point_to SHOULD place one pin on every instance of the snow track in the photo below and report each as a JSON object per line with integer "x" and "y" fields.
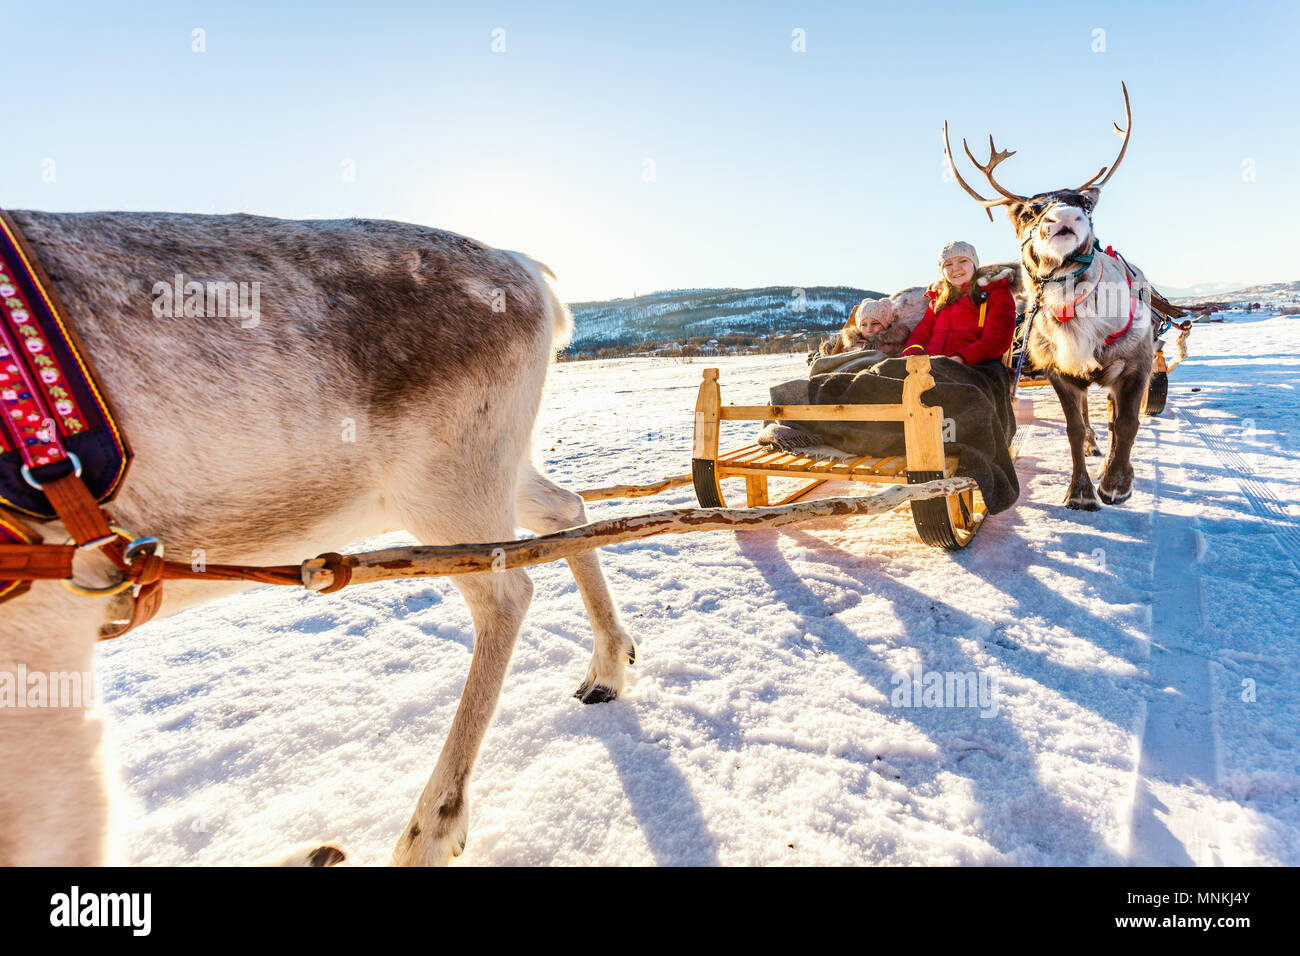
{"x": 1261, "y": 497}
{"x": 1177, "y": 741}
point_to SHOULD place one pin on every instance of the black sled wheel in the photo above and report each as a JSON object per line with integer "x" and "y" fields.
{"x": 948, "y": 523}
{"x": 708, "y": 491}
{"x": 1157, "y": 393}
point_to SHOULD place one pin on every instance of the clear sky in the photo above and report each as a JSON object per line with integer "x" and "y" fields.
{"x": 644, "y": 146}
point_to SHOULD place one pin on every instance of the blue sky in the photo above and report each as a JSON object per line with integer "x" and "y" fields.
{"x": 636, "y": 147}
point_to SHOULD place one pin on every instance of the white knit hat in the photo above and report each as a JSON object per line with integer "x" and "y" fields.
{"x": 954, "y": 249}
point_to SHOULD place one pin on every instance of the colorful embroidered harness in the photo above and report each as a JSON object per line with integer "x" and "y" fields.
{"x": 62, "y": 455}
{"x": 56, "y": 418}
{"x": 61, "y": 450}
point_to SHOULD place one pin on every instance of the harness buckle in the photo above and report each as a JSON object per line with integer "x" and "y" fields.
{"x": 27, "y": 472}
{"x": 136, "y": 547}
{"x": 109, "y": 589}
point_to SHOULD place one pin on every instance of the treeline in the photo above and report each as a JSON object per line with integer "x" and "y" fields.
{"x": 734, "y": 344}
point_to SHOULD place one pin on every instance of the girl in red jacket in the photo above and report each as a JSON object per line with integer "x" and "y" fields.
{"x": 969, "y": 320}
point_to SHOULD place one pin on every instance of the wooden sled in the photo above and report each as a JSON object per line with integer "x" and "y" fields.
{"x": 949, "y": 523}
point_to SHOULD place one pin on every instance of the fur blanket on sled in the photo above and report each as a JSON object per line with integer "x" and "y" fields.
{"x": 977, "y": 399}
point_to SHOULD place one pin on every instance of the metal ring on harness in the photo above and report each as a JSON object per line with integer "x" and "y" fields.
{"x": 27, "y": 474}
{"x": 139, "y": 545}
{"x": 121, "y": 586}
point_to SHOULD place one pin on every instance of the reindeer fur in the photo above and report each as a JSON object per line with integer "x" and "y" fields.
{"x": 240, "y": 450}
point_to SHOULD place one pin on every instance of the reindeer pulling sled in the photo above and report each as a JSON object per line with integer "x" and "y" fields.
{"x": 445, "y": 453}
{"x": 447, "y": 456}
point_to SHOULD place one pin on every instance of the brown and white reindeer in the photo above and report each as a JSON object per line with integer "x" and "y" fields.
{"x": 1092, "y": 321}
{"x": 392, "y": 330}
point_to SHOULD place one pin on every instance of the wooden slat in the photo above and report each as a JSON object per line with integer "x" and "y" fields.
{"x": 892, "y": 465}
{"x": 739, "y": 470}
{"x": 849, "y": 467}
{"x": 803, "y": 463}
{"x": 814, "y": 413}
{"x": 748, "y": 453}
{"x": 800, "y": 492}
{"x": 866, "y": 466}
{"x": 764, "y": 456}
{"x": 784, "y": 461}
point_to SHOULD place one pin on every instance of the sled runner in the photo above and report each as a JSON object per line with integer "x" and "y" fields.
{"x": 949, "y": 523}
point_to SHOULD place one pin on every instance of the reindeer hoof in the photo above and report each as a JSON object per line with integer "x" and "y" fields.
{"x": 1115, "y": 498}
{"x": 434, "y": 837}
{"x": 322, "y": 855}
{"x": 1083, "y": 503}
{"x": 326, "y": 855}
{"x": 595, "y": 694}
{"x": 1116, "y": 485}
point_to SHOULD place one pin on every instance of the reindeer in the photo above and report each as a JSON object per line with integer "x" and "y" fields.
{"x": 392, "y": 329}
{"x": 1102, "y": 335}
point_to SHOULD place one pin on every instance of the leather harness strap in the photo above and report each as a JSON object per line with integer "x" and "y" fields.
{"x": 1067, "y": 311}
{"x": 79, "y": 512}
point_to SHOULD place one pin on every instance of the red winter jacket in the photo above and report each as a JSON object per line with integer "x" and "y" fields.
{"x": 955, "y": 330}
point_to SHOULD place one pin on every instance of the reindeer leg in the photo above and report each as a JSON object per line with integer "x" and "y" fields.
{"x": 447, "y": 510}
{"x": 1090, "y": 447}
{"x": 1073, "y": 394}
{"x": 1126, "y": 393}
{"x": 544, "y": 507}
{"x": 439, "y": 827}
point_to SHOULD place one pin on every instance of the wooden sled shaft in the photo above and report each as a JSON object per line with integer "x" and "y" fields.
{"x": 435, "y": 560}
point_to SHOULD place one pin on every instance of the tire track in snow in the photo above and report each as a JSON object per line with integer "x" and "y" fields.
{"x": 1261, "y": 497}
{"x": 1177, "y": 747}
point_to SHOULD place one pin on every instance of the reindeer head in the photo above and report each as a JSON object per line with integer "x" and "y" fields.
{"x": 1053, "y": 227}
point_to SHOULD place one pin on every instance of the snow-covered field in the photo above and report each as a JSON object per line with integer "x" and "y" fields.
{"x": 1141, "y": 663}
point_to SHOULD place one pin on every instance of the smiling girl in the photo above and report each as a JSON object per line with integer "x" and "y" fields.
{"x": 969, "y": 320}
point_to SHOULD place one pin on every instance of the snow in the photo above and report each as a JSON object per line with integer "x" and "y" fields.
{"x": 1142, "y": 660}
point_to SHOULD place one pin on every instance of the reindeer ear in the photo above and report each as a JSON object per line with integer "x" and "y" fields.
{"x": 1092, "y": 194}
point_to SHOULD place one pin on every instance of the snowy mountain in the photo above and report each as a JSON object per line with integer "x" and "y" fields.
{"x": 1271, "y": 293}
{"x": 1200, "y": 290}
{"x": 679, "y": 314}
{"x": 690, "y": 313}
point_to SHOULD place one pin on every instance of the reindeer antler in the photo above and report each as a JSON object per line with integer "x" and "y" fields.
{"x": 1125, "y": 132}
{"x": 995, "y": 157}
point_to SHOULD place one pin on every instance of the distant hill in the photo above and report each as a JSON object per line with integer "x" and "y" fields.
{"x": 1202, "y": 290}
{"x": 1272, "y": 293}
{"x": 680, "y": 315}
{"x": 777, "y": 318}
